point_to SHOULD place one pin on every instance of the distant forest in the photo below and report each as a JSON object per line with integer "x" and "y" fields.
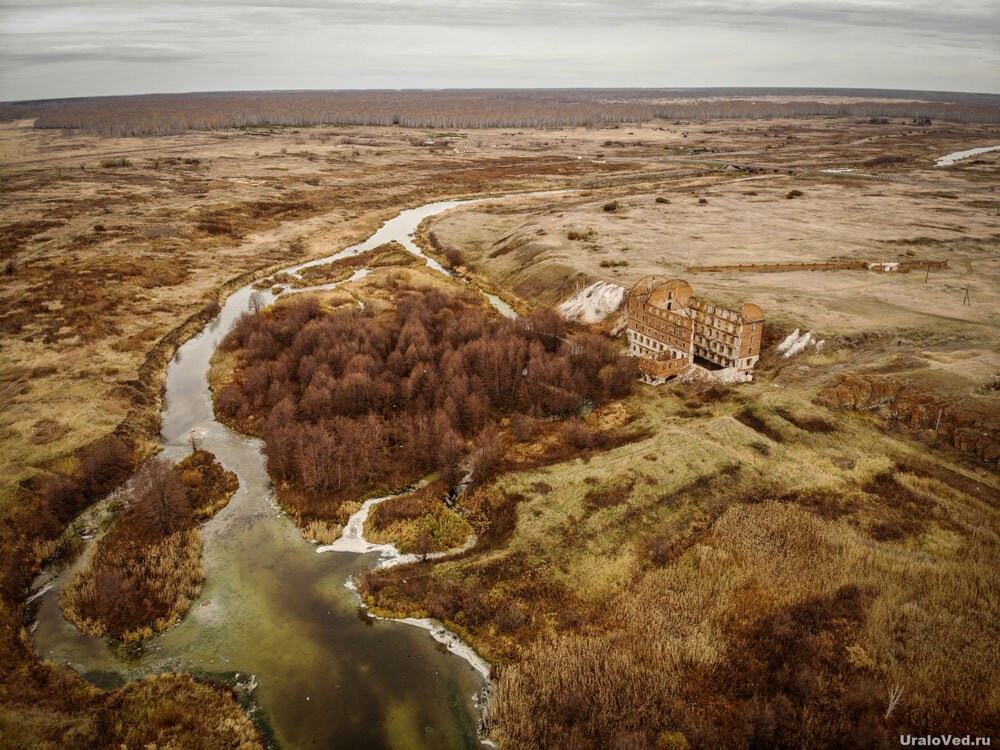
{"x": 162, "y": 114}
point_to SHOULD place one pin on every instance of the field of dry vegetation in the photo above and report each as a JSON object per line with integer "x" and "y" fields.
{"x": 756, "y": 566}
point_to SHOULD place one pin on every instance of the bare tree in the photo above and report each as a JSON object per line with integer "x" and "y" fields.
{"x": 106, "y": 463}
{"x": 487, "y": 452}
{"x": 158, "y": 498}
{"x": 423, "y": 545}
{"x": 256, "y": 302}
{"x": 895, "y": 693}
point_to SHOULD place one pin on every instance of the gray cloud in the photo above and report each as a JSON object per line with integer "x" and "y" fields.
{"x": 414, "y": 43}
{"x": 100, "y": 53}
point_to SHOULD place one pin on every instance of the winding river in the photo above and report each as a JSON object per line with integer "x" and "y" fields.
{"x": 274, "y": 616}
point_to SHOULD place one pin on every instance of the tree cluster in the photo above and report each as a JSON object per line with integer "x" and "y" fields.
{"x": 159, "y": 114}
{"x": 352, "y": 401}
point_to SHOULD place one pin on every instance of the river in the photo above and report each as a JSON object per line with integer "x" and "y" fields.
{"x": 274, "y": 613}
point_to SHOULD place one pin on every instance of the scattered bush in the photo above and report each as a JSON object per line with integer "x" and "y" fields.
{"x": 577, "y": 433}
{"x": 119, "y": 161}
{"x": 604, "y": 498}
{"x": 611, "y": 206}
{"x": 702, "y": 201}
{"x": 794, "y": 194}
{"x": 887, "y": 160}
{"x": 454, "y": 256}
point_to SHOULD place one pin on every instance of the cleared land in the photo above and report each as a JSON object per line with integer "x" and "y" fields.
{"x": 631, "y": 541}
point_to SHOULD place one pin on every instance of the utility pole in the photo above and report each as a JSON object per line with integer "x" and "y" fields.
{"x": 928, "y": 274}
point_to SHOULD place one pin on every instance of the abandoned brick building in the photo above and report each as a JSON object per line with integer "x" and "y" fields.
{"x": 670, "y": 330}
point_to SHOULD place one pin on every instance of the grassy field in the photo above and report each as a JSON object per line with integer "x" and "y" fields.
{"x": 684, "y": 568}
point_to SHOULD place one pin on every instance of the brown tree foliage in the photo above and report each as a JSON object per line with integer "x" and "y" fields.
{"x": 352, "y": 401}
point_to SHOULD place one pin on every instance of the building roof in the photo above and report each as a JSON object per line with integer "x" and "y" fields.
{"x": 646, "y": 285}
{"x": 751, "y": 313}
{"x": 658, "y": 289}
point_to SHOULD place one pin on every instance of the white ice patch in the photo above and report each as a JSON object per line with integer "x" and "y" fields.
{"x": 439, "y": 633}
{"x": 796, "y": 342}
{"x": 949, "y": 159}
{"x": 452, "y": 642}
{"x": 41, "y": 592}
{"x": 352, "y": 540}
{"x": 594, "y": 303}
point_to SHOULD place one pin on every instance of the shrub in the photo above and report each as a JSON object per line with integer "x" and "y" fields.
{"x": 120, "y": 161}
{"x": 510, "y": 618}
{"x": 702, "y": 201}
{"x": 191, "y": 478}
{"x": 661, "y": 199}
{"x": 106, "y": 464}
{"x": 577, "y": 433}
{"x": 886, "y": 160}
{"x": 454, "y": 256}
{"x": 794, "y": 194}
{"x": 611, "y": 206}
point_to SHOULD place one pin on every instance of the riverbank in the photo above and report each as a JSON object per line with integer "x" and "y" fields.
{"x": 188, "y": 412}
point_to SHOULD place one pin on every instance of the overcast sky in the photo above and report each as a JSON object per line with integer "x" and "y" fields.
{"x": 54, "y": 48}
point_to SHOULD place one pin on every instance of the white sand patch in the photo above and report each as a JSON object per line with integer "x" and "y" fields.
{"x": 797, "y": 342}
{"x": 619, "y": 327}
{"x": 594, "y": 303}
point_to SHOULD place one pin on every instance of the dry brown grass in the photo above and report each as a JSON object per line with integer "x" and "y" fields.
{"x": 419, "y": 522}
{"x": 727, "y": 598}
{"x": 88, "y": 329}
